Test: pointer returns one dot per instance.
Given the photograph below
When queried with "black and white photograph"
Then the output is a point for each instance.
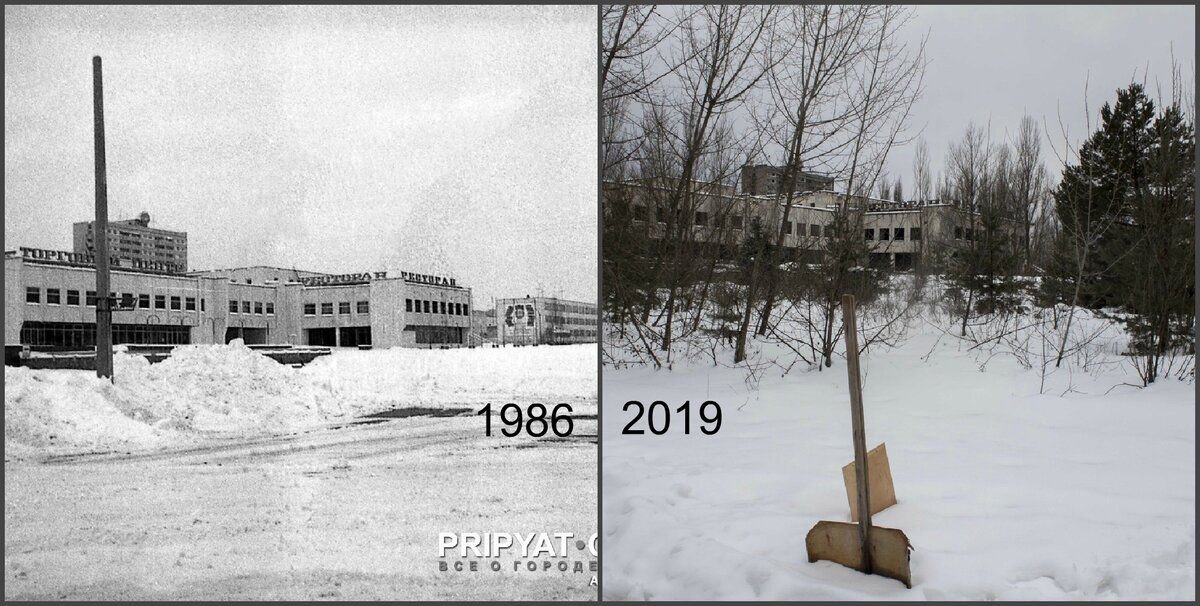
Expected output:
(899, 302)
(301, 303)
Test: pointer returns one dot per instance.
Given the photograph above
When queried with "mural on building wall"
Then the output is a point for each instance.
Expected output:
(519, 323)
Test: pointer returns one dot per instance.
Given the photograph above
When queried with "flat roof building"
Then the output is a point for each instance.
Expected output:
(545, 321)
(50, 301)
(899, 234)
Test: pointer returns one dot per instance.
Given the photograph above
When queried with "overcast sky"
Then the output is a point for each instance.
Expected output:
(450, 141)
(998, 62)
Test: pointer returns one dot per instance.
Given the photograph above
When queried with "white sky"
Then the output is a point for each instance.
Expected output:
(450, 141)
(998, 62)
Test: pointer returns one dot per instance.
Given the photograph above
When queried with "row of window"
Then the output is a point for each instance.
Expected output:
(556, 320)
(640, 214)
(571, 308)
(54, 296)
(813, 230)
(419, 306)
(343, 308)
(896, 234)
(961, 233)
(252, 307)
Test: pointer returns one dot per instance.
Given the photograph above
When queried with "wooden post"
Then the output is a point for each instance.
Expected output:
(860, 437)
(104, 361)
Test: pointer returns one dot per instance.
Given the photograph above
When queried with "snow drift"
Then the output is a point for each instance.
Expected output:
(206, 391)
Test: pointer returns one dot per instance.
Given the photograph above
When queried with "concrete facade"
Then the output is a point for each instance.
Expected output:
(899, 234)
(50, 303)
(545, 321)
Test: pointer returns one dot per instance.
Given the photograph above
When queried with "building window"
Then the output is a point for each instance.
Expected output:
(915, 233)
(73, 297)
(426, 306)
(659, 215)
(33, 294)
(787, 227)
(443, 308)
(883, 233)
(815, 230)
(970, 233)
(144, 301)
(327, 308)
(176, 303)
(364, 307)
(899, 233)
(89, 298)
(737, 222)
(458, 309)
(701, 218)
(53, 296)
(310, 309)
(258, 307)
(160, 302)
(233, 307)
(957, 233)
(201, 304)
(639, 212)
(189, 303)
(344, 307)
(465, 310)
(407, 305)
(870, 234)
(270, 308)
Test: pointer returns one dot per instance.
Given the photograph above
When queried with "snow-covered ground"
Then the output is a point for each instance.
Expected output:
(1005, 493)
(220, 474)
(203, 391)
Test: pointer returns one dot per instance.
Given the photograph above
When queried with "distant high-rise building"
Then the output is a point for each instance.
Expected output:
(134, 240)
(765, 180)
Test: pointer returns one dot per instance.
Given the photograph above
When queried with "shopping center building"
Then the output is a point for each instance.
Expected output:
(50, 300)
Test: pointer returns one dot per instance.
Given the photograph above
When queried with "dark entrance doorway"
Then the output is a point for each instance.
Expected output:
(324, 337)
(353, 336)
(251, 336)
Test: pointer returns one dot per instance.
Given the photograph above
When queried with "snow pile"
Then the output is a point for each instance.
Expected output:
(1083, 489)
(365, 381)
(223, 388)
(203, 391)
(47, 411)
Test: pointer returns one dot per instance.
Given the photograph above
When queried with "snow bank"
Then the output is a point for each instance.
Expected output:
(1006, 492)
(206, 391)
(365, 381)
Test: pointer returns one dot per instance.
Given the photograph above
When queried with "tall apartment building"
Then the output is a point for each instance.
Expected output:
(135, 241)
(766, 180)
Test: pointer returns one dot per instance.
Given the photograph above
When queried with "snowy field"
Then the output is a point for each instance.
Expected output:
(220, 474)
(1005, 493)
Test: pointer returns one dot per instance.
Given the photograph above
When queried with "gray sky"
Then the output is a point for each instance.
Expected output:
(999, 62)
(451, 141)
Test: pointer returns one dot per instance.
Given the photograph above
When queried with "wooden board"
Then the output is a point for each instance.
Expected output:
(879, 483)
(839, 542)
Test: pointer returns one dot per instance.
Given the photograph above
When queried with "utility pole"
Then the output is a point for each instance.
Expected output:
(104, 303)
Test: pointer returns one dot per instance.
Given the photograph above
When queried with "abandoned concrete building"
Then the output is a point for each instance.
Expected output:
(900, 235)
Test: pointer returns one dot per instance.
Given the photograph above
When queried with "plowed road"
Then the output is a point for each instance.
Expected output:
(342, 513)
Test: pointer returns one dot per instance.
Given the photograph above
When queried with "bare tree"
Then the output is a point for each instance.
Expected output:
(848, 54)
(1028, 176)
(922, 175)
